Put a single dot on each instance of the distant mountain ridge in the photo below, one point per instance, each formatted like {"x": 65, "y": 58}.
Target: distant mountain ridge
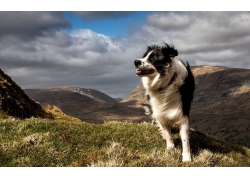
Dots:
{"x": 88, "y": 105}
{"x": 90, "y": 93}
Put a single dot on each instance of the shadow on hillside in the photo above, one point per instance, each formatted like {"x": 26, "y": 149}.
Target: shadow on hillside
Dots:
{"x": 200, "y": 141}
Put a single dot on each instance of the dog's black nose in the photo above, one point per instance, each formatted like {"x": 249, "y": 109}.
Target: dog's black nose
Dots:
{"x": 137, "y": 63}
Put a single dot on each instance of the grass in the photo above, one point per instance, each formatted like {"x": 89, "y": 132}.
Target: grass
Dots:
{"x": 3, "y": 115}
{"x": 69, "y": 142}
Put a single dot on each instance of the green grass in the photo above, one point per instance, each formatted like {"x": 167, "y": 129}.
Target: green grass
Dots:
{"x": 71, "y": 142}
{"x": 3, "y": 115}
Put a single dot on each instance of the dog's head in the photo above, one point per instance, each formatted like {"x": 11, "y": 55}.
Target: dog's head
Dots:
{"x": 156, "y": 60}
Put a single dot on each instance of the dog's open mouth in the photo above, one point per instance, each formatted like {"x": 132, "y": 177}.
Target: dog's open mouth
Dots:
{"x": 143, "y": 72}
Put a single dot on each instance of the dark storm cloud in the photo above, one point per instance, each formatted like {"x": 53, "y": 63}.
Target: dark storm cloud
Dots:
{"x": 95, "y": 15}
{"x": 29, "y": 24}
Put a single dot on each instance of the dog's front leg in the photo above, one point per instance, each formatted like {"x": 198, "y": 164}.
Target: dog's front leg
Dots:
{"x": 166, "y": 133}
{"x": 184, "y": 133}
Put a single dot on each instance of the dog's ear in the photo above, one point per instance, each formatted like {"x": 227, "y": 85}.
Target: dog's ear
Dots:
{"x": 173, "y": 52}
{"x": 169, "y": 51}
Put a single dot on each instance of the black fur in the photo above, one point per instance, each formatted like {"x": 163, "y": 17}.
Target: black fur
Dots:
{"x": 187, "y": 90}
{"x": 160, "y": 57}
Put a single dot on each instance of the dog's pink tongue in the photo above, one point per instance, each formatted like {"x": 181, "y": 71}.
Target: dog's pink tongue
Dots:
{"x": 138, "y": 71}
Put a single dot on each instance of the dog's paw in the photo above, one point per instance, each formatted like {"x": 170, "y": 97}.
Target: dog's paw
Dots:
{"x": 186, "y": 157}
{"x": 170, "y": 146}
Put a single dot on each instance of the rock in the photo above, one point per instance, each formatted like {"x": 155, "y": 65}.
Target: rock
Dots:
{"x": 14, "y": 101}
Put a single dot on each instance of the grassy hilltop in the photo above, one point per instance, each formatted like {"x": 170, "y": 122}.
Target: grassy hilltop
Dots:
{"x": 67, "y": 141}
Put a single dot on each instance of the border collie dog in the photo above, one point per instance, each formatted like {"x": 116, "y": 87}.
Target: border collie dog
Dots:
{"x": 169, "y": 85}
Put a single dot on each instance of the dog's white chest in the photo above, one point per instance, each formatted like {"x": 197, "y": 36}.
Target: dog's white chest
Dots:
{"x": 166, "y": 107}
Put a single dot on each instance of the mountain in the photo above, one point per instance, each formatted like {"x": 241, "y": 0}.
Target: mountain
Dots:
{"x": 42, "y": 94}
{"x": 136, "y": 96}
{"x": 118, "y": 99}
{"x": 221, "y": 102}
{"x": 14, "y": 101}
{"x": 89, "y": 105}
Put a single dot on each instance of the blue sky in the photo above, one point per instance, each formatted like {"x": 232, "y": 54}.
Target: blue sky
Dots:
{"x": 110, "y": 26}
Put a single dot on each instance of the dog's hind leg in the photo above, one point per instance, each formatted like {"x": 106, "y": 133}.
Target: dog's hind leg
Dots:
{"x": 184, "y": 133}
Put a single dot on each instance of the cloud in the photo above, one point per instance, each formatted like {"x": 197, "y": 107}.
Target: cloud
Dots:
{"x": 170, "y": 21}
{"x": 97, "y": 15}
{"x": 37, "y": 53}
{"x": 30, "y": 24}
{"x": 83, "y": 58}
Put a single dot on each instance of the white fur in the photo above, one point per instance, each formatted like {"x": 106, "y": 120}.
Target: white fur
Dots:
{"x": 144, "y": 60}
{"x": 166, "y": 103}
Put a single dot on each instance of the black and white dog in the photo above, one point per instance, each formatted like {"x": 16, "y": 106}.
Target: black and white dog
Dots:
{"x": 169, "y": 85}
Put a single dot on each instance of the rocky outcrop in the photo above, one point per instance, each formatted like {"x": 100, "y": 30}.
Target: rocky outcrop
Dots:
{"x": 14, "y": 102}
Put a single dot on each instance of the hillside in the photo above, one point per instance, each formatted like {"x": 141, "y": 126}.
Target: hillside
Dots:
{"x": 136, "y": 96}
{"x": 42, "y": 95}
{"x": 86, "y": 104}
{"x": 14, "y": 101}
{"x": 221, "y": 102}
{"x": 73, "y": 143}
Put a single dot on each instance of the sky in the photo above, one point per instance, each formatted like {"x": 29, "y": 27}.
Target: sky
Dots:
{"x": 96, "y": 49}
